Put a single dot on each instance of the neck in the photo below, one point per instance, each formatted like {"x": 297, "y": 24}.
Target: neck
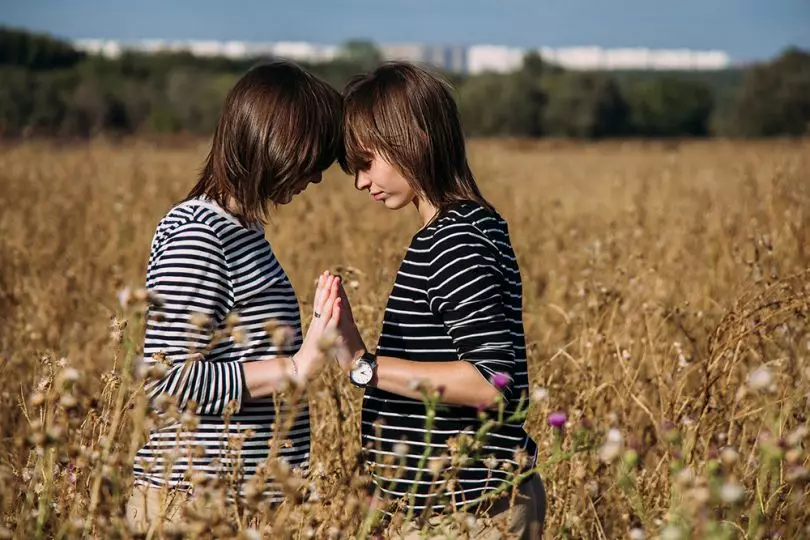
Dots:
{"x": 426, "y": 210}
{"x": 232, "y": 206}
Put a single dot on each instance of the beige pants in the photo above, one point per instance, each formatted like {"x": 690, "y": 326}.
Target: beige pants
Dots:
{"x": 524, "y": 520}
{"x": 153, "y": 508}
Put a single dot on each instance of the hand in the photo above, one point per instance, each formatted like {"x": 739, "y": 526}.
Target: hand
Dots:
{"x": 350, "y": 346}
{"x": 323, "y": 330}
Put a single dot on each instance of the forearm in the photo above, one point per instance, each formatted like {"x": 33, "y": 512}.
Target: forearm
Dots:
{"x": 265, "y": 377}
{"x": 461, "y": 382}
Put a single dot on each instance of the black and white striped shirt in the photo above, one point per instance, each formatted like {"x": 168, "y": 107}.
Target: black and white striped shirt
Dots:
{"x": 204, "y": 262}
{"x": 457, "y": 294}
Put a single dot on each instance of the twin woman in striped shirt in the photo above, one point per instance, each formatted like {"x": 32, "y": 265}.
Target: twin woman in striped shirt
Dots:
{"x": 452, "y": 324}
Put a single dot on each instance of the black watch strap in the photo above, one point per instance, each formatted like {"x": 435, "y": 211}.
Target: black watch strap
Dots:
{"x": 370, "y": 357}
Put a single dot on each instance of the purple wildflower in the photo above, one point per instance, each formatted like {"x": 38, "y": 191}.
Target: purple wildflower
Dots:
{"x": 557, "y": 419}
{"x": 501, "y": 380}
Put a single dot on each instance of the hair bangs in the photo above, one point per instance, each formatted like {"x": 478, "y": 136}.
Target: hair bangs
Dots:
{"x": 361, "y": 133}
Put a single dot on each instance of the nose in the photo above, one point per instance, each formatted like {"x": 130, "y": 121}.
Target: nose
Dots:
{"x": 362, "y": 180}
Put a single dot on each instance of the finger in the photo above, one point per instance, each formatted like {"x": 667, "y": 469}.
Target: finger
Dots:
{"x": 319, "y": 289}
{"x": 333, "y": 322}
{"x": 318, "y": 306}
{"x": 332, "y": 301}
{"x": 345, "y": 298}
{"x": 334, "y": 315}
{"x": 329, "y": 293}
{"x": 335, "y": 287}
{"x": 326, "y": 313}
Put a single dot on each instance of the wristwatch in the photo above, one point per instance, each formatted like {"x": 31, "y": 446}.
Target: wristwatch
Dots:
{"x": 363, "y": 371}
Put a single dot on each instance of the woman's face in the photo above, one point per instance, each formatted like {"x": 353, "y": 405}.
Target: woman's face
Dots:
{"x": 384, "y": 183}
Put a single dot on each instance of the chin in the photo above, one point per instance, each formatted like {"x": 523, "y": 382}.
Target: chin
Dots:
{"x": 395, "y": 203}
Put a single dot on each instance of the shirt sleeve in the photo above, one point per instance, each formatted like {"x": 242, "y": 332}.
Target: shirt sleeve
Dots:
{"x": 464, "y": 288}
{"x": 189, "y": 273}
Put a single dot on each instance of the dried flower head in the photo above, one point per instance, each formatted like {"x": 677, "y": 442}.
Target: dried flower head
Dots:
{"x": 282, "y": 336}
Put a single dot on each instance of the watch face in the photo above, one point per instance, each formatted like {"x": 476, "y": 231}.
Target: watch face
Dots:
{"x": 363, "y": 373}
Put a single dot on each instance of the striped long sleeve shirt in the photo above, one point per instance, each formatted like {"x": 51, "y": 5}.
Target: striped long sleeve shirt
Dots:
{"x": 205, "y": 266}
{"x": 457, "y": 295}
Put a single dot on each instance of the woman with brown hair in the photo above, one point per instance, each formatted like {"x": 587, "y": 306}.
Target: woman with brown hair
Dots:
{"x": 211, "y": 265}
{"x": 453, "y": 321}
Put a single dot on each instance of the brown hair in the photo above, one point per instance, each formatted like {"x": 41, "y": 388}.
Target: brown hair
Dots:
{"x": 409, "y": 116}
{"x": 279, "y": 125}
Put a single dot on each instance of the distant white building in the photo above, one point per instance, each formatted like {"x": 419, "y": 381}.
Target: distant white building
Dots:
{"x": 471, "y": 59}
{"x": 303, "y": 51}
{"x": 580, "y": 57}
{"x": 447, "y": 57}
{"x": 493, "y": 58}
{"x": 711, "y": 60}
{"x": 627, "y": 59}
{"x": 102, "y": 47}
{"x": 408, "y": 52}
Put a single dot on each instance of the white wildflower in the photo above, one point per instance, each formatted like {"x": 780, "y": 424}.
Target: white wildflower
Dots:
{"x": 637, "y": 534}
{"x": 612, "y": 447}
{"x": 731, "y": 493}
{"x": 69, "y": 375}
{"x": 729, "y": 456}
{"x": 401, "y": 449}
{"x": 796, "y": 436}
{"x": 671, "y": 532}
{"x": 760, "y": 379}
{"x": 124, "y": 297}
{"x": 539, "y": 394}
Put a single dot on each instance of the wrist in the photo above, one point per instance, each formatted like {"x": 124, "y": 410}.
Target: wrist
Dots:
{"x": 375, "y": 378}
{"x": 296, "y": 367}
{"x": 348, "y": 355}
{"x": 363, "y": 372}
{"x": 357, "y": 348}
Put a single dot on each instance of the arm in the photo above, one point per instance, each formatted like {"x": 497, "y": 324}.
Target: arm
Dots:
{"x": 464, "y": 292}
{"x": 459, "y": 381}
{"x": 265, "y": 377}
{"x": 190, "y": 274}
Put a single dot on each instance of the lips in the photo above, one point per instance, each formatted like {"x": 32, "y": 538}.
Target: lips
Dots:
{"x": 378, "y": 195}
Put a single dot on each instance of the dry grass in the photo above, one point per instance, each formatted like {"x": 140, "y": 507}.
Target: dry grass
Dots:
{"x": 657, "y": 280}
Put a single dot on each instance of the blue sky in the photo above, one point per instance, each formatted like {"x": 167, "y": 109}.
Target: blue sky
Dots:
{"x": 746, "y": 29}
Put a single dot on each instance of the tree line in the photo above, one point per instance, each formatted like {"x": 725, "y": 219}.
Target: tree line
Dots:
{"x": 49, "y": 88}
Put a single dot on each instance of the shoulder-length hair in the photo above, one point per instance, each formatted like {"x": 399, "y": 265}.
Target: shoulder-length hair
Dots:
{"x": 408, "y": 115}
{"x": 279, "y": 126}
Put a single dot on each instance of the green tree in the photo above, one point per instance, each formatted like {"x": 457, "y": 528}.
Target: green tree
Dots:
{"x": 587, "y": 105}
{"x": 16, "y": 100}
{"x": 493, "y": 105}
{"x": 668, "y": 106}
{"x": 35, "y": 51}
{"x": 511, "y": 104}
{"x": 361, "y": 53}
{"x": 775, "y": 98}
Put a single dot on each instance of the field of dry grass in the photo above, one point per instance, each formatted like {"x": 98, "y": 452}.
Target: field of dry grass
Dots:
{"x": 667, "y": 297}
